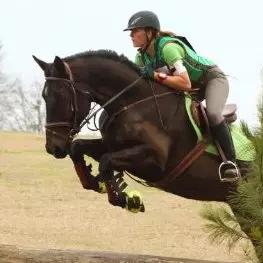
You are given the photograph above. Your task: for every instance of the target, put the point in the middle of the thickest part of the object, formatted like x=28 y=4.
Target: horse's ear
x=41 y=63
x=60 y=66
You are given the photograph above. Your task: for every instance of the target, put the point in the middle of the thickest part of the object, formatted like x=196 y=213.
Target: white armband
x=179 y=67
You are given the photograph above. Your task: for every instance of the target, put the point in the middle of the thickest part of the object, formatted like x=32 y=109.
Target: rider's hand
x=156 y=76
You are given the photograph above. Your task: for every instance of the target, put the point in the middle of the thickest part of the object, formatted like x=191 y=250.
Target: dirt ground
x=44 y=207
x=9 y=254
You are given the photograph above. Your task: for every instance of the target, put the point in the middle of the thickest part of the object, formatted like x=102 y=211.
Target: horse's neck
x=104 y=80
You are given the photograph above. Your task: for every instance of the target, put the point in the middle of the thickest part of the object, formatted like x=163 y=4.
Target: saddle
x=199 y=114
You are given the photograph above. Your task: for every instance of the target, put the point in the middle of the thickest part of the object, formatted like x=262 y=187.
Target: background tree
x=21 y=106
x=3 y=89
x=2 y=75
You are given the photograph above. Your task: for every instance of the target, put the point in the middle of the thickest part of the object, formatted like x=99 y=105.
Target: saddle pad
x=244 y=148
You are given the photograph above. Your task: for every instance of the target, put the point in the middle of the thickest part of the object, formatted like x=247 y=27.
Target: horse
x=146 y=130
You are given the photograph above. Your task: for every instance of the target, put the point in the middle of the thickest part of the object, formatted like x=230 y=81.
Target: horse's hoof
x=142 y=208
x=134 y=202
x=101 y=188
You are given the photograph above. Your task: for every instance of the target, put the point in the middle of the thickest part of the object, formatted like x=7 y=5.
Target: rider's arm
x=173 y=55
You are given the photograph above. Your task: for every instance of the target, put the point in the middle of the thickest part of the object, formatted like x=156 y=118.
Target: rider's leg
x=222 y=134
x=216 y=94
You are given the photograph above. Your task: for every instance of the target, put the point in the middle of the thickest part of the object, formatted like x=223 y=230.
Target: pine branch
x=222 y=227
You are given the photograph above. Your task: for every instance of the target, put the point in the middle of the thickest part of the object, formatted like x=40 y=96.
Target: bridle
x=74 y=128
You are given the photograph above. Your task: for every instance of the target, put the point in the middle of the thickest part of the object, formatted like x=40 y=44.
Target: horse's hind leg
x=93 y=148
x=120 y=161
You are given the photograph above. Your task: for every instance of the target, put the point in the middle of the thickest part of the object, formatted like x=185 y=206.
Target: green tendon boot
x=228 y=170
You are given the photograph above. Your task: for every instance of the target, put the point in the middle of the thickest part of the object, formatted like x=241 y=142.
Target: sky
x=227 y=32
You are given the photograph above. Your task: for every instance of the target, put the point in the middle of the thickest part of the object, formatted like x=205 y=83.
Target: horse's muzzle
x=57 y=152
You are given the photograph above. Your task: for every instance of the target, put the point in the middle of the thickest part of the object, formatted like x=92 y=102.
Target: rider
x=172 y=61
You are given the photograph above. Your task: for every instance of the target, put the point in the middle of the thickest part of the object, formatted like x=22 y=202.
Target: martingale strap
x=184 y=164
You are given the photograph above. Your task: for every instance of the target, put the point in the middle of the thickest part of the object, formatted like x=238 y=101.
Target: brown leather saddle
x=198 y=111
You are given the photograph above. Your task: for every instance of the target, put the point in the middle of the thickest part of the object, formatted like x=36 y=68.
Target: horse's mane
x=105 y=53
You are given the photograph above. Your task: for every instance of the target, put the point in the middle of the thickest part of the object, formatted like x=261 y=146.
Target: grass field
x=44 y=206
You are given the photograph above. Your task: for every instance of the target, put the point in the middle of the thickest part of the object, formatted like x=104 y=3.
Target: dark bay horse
x=147 y=131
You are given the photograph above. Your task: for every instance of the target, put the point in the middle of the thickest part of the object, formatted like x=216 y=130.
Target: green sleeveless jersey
x=168 y=50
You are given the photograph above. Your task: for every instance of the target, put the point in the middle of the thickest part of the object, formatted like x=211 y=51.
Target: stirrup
x=233 y=179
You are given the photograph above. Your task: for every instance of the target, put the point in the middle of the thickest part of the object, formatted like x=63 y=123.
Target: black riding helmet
x=143 y=19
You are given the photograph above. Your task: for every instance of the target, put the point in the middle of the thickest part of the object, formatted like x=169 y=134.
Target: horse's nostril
x=57 y=150
x=59 y=153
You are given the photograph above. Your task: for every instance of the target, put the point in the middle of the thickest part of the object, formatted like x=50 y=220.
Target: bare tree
x=22 y=108
x=3 y=90
x=3 y=78
x=36 y=104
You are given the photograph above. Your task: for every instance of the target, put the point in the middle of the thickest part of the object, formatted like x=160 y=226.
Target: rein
x=155 y=97
x=110 y=101
x=74 y=129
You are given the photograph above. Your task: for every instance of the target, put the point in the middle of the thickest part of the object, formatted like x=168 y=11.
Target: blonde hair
x=158 y=34
x=166 y=34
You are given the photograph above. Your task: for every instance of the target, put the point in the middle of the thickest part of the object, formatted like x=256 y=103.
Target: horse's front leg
x=120 y=161
x=93 y=148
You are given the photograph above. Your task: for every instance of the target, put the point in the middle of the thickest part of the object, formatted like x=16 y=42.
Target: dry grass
x=43 y=206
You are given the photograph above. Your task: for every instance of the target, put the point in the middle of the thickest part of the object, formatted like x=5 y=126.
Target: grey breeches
x=215 y=93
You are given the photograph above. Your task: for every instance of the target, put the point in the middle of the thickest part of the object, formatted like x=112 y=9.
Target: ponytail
x=160 y=34
x=166 y=34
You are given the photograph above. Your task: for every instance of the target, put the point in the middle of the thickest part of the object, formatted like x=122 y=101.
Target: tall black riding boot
x=223 y=136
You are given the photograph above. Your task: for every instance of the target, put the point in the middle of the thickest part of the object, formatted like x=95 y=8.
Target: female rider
x=173 y=62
